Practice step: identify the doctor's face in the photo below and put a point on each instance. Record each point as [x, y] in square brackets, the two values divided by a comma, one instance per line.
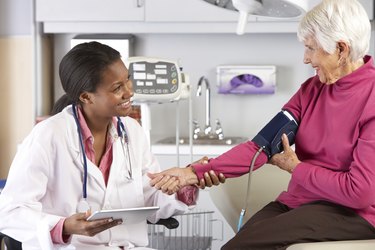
[113, 95]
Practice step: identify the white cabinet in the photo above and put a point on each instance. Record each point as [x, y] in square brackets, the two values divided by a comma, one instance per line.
[309, 4]
[222, 231]
[227, 200]
[202, 11]
[157, 16]
[188, 11]
[89, 10]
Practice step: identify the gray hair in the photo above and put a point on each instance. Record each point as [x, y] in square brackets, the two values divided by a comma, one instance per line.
[332, 21]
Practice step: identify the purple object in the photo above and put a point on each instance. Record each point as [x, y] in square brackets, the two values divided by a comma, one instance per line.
[246, 79]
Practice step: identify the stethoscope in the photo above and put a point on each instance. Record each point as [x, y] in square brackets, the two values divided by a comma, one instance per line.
[83, 204]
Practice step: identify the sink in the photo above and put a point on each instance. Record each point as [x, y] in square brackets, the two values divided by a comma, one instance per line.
[204, 141]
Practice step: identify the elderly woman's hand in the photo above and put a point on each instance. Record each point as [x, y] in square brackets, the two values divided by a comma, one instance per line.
[210, 179]
[286, 160]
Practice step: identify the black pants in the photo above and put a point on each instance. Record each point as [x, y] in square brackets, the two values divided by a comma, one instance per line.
[277, 226]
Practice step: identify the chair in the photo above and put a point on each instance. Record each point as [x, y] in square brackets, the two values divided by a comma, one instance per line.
[335, 245]
[12, 244]
[267, 183]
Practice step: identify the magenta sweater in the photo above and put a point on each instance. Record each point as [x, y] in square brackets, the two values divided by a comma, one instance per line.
[335, 142]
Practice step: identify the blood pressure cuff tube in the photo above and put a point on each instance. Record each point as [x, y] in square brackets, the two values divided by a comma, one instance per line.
[269, 138]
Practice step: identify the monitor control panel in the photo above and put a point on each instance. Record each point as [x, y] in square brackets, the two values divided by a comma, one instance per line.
[156, 79]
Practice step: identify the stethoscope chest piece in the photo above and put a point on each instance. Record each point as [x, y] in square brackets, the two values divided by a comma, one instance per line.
[83, 206]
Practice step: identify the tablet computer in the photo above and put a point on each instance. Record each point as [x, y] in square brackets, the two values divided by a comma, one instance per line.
[128, 215]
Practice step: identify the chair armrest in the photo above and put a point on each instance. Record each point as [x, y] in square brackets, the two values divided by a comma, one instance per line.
[10, 243]
[170, 223]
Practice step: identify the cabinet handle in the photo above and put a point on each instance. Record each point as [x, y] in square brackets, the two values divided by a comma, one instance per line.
[139, 3]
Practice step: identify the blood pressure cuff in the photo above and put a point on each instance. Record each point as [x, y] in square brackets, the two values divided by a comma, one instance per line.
[269, 138]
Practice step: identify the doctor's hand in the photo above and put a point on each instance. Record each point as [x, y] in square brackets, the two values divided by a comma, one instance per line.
[171, 180]
[78, 224]
[286, 160]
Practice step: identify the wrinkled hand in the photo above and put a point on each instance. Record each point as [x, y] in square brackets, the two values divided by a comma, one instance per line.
[78, 224]
[210, 179]
[286, 160]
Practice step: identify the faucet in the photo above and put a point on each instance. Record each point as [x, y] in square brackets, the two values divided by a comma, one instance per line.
[196, 130]
[207, 129]
[219, 130]
[207, 132]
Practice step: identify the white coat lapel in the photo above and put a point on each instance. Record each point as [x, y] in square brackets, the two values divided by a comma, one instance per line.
[120, 163]
[93, 171]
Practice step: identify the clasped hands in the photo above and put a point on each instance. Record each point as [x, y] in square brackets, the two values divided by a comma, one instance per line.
[172, 180]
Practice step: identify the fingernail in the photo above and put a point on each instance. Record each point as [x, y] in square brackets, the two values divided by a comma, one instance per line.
[212, 172]
[206, 174]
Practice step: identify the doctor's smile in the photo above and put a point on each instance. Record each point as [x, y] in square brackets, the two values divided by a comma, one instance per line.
[126, 104]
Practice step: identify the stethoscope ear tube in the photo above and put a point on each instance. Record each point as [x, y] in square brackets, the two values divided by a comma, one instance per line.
[83, 204]
[84, 188]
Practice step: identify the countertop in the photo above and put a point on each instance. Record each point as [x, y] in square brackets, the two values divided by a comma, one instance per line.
[167, 146]
[168, 149]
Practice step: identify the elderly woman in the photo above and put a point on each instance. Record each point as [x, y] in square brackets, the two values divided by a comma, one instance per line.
[331, 194]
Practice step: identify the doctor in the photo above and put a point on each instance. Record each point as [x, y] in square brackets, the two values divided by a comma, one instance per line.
[82, 159]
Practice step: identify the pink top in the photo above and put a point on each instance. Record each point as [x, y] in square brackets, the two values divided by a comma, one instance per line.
[187, 195]
[335, 142]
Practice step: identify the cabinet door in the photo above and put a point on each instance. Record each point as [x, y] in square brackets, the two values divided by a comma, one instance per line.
[89, 10]
[188, 11]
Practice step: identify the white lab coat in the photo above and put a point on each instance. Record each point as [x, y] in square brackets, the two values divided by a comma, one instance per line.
[45, 185]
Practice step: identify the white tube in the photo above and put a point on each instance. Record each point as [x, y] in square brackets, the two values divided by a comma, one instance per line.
[242, 21]
[245, 7]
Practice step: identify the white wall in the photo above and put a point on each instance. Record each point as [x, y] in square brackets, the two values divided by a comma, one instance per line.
[240, 115]
[16, 77]
[200, 54]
